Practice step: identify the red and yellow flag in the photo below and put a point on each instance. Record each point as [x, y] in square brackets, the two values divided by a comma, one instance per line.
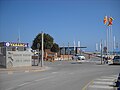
[110, 21]
[105, 20]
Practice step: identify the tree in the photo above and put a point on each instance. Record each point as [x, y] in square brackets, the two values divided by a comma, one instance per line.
[55, 48]
[48, 41]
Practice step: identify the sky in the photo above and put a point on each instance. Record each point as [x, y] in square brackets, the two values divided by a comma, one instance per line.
[65, 20]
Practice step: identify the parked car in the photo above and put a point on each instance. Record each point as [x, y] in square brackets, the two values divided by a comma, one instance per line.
[78, 57]
[116, 60]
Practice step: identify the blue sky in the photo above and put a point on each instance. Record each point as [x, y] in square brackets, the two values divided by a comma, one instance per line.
[64, 20]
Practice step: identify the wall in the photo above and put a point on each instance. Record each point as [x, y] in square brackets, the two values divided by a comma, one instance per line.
[2, 56]
[18, 58]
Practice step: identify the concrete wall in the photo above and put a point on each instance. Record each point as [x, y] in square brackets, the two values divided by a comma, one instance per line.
[2, 60]
[2, 56]
[18, 59]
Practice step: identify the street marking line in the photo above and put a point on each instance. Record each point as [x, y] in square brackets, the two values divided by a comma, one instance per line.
[43, 78]
[92, 82]
[23, 84]
[104, 83]
[29, 82]
[85, 87]
[54, 72]
[105, 80]
[100, 86]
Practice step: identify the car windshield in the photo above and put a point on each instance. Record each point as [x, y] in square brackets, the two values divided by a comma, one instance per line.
[77, 55]
[117, 57]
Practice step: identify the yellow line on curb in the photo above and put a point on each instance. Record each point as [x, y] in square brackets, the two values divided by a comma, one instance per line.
[85, 87]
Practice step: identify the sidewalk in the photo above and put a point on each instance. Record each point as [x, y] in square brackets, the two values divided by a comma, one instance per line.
[24, 69]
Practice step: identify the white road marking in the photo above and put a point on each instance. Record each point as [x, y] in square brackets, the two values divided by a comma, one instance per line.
[110, 80]
[54, 72]
[100, 86]
[29, 82]
[23, 84]
[104, 83]
[43, 79]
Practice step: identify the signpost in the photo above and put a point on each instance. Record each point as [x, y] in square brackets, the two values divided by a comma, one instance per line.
[101, 53]
[42, 51]
[38, 46]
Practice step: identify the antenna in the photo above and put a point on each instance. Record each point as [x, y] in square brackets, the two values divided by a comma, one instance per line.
[18, 36]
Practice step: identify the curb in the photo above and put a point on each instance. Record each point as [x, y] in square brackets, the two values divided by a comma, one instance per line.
[24, 69]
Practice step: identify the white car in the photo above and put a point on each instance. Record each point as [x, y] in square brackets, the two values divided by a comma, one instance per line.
[78, 57]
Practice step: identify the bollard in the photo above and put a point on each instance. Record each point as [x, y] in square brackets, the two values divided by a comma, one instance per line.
[118, 88]
[118, 82]
[119, 75]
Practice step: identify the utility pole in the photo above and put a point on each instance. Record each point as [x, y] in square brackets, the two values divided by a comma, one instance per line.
[42, 49]
[101, 52]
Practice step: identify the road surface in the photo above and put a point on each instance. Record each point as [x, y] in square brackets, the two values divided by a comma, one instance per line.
[61, 75]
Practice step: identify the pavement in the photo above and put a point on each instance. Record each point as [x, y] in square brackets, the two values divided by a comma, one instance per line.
[24, 69]
[63, 76]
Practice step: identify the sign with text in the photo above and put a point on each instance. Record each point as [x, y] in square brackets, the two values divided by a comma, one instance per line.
[8, 44]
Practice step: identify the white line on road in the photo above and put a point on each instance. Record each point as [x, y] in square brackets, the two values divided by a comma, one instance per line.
[23, 84]
[43, 78]
[30, 82]
[104, 83]
[106, 80]
[100, 86]
[54, 72]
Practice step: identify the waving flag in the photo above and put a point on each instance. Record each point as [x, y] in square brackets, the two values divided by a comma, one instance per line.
[105, 20]
[110, 21]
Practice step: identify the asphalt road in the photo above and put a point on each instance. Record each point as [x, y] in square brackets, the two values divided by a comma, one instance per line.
[61, 75]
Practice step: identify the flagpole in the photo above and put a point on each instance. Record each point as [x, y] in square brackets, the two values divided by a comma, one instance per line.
[114, 43]
[111, 40]
[107, 40]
